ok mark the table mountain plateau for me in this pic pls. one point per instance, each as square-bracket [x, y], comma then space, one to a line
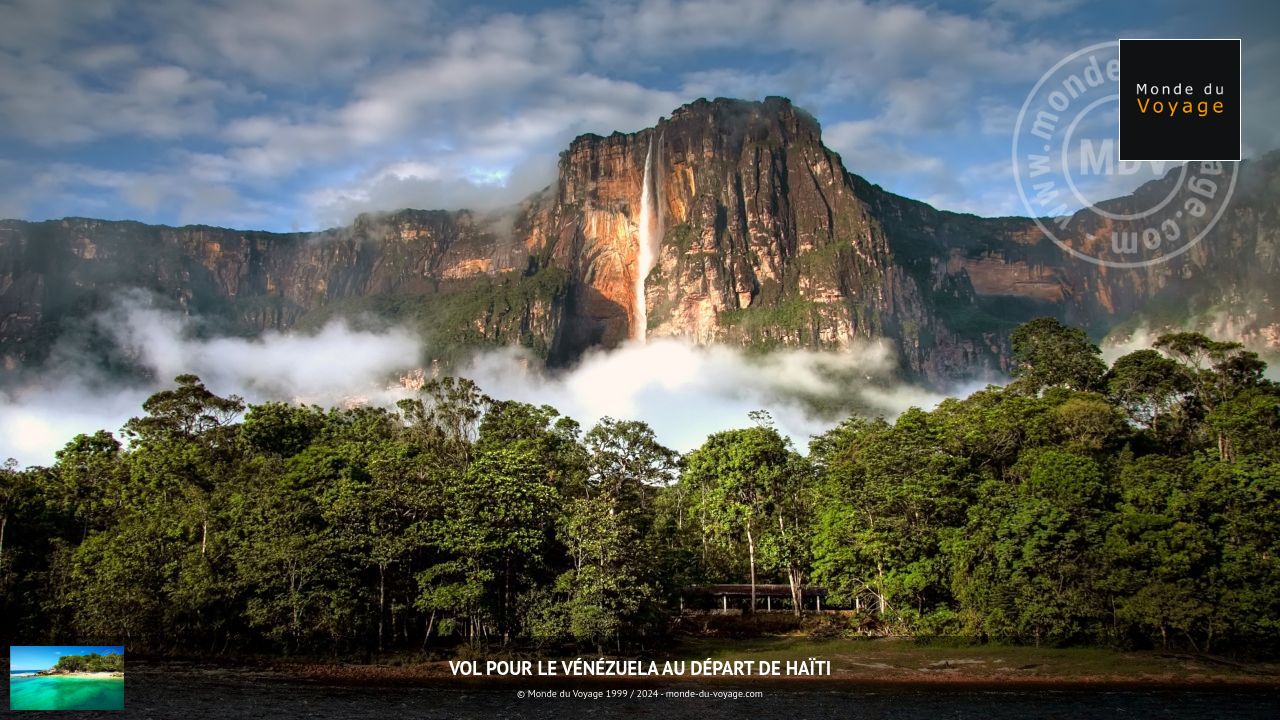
[728, 222]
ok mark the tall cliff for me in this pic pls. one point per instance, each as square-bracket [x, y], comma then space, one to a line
[765, 239]
[728, 222]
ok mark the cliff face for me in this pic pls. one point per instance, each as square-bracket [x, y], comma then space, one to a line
[757, 235]
[765, 240]
[1225, 284]
[458, 273]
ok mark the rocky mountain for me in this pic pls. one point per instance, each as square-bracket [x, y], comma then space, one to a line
[728, 222]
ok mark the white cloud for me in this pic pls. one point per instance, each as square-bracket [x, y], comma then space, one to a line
[49, 105]
[1033, 9]
[197, 199]
[867, 148]
[518, 150]
[304, 100]
[656, 383]
[1261, 103]
[73, 397]
[102, 58]
[997, 117]
[921, 105]
[417, 184]
[42, 28]
[294, 42]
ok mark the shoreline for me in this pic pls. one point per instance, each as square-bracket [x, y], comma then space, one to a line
[100, 675]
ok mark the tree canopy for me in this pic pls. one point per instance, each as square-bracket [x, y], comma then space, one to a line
[1134, 505]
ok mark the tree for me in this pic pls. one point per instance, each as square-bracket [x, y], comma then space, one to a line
[446, 417]
[1047, 353]
[626, 461]
[91, 479]
[189, 411]
[119, 582]
[739, 476]
[1195, 349]
[183, 443]
[10, 479]
[1087, 423]
[610, 584]
[291, 571]
[1242, 587]
[887, 496]
[1148, 515]
[608, 587]
[1248, 423]
[1231, 368]
[382, 515]
[790, 548]
[993, 426]
[1025, 563]
[280, 428]
[1158, 550]
[1147, 385]
[495, 533]
[1233, 371]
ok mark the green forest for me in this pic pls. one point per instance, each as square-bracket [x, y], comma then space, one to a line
[1130, 506]
[91, 663]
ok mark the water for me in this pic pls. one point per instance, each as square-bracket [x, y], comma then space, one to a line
[29, 692]
[197, 694]
[650, 238]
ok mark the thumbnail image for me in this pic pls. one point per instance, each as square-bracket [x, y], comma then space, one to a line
[66, 677]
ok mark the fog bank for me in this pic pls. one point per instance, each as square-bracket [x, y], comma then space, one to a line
[683, 390]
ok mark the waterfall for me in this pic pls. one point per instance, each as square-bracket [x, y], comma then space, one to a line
[650, 237]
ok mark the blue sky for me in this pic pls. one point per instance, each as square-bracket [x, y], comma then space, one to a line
[43, 657]
[297, 114]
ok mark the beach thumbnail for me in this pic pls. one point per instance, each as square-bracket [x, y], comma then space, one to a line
[66, 677]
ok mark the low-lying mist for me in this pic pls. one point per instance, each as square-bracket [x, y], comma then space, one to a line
[683, 390]
[1218, 326]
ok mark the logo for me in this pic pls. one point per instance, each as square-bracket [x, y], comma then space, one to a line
[1082, 196]
[1180, 99]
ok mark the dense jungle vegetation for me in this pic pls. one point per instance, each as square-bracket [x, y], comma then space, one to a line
[1136, 505]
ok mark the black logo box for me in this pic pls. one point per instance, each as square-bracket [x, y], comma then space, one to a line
[1180, 64]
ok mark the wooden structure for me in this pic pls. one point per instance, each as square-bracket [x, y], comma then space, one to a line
[739, 596]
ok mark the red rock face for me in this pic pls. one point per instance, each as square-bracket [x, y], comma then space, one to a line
[599, 195]
[758, 220]
[766, 239]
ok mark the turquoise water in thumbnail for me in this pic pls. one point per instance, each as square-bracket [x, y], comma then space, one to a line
[65, 693]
